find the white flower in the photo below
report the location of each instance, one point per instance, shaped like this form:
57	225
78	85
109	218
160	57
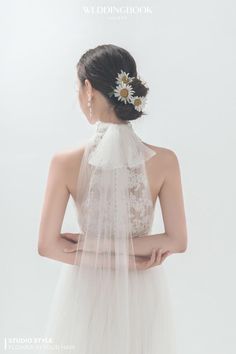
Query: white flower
138	102
124	92
123	77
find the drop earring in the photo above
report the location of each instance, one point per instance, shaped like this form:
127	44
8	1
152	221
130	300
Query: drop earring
90	107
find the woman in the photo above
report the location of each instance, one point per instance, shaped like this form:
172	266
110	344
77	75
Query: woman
111	296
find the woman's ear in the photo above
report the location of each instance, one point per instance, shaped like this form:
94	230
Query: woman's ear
88	87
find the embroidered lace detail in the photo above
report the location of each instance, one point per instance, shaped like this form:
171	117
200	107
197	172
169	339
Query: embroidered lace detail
141	204
141	208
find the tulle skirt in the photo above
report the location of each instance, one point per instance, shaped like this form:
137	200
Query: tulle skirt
97	319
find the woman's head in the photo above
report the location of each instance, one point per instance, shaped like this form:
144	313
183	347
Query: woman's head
97	72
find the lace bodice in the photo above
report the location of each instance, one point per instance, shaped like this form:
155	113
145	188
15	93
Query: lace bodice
141	208
141	205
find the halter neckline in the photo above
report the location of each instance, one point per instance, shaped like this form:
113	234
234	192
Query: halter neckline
102	126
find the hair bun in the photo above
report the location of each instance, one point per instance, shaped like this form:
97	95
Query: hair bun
139	87
112	71
127	111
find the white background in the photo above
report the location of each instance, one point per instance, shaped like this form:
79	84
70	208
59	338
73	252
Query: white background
185	51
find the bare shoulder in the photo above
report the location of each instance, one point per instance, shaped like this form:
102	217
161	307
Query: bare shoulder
163	164
66	163
164	156
67	158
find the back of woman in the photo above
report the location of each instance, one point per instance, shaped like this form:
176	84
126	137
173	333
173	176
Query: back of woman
112	299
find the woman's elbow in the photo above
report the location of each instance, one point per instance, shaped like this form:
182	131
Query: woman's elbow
183	248
43	248
179	244
183	245
47	245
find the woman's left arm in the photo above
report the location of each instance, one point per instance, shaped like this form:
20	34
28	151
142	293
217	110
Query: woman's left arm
174	239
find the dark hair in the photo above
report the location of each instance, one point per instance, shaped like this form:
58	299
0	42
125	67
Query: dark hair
101	66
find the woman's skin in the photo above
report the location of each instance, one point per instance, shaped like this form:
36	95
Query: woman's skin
164	177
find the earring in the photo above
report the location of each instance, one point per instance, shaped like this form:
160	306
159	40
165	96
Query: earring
90	106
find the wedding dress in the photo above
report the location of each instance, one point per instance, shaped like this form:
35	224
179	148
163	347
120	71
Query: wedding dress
103	303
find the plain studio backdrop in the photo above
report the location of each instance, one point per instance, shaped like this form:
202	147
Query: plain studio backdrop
186	53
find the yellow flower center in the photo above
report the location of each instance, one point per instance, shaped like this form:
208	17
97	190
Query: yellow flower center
137	101
125	79
124	92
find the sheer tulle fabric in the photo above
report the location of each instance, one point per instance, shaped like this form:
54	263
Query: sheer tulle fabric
103	304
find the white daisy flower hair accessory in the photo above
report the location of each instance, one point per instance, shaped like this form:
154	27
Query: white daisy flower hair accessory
139	102
125	93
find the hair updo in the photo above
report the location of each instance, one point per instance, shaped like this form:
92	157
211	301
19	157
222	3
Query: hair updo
101	66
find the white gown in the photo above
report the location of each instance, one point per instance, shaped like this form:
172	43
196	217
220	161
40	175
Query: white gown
116	315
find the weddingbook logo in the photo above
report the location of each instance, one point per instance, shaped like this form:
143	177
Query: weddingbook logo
117	10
